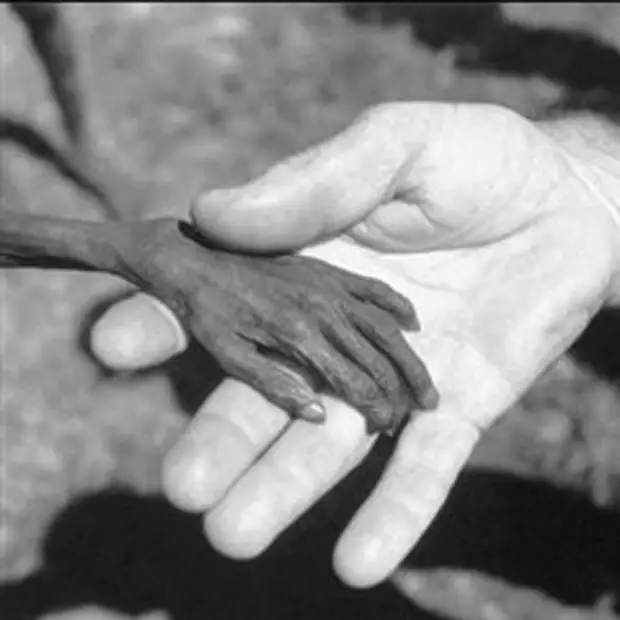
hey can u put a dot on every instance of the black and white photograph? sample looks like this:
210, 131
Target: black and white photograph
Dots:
309, 311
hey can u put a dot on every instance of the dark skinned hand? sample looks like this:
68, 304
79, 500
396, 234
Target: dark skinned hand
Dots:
265, 319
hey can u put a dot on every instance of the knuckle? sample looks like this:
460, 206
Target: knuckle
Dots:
299, 328
307, 301
380, 369
298, 332
279, 383
387, 332
366, 390
280, 386
388, 380
333, 321
288, 379
340, 307
381, 419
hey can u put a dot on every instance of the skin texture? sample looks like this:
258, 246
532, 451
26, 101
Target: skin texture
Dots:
471, 210
255, 314
262, 319
288, 326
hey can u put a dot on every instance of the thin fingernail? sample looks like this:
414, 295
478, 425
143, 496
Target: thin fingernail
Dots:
313, 412
181, 340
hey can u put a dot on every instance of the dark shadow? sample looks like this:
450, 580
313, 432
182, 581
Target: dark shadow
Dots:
135, 553
528, 533
599, 346
435, 25
599, 102
38, 146
485, 40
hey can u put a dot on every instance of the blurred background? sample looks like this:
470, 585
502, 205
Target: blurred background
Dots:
188, 96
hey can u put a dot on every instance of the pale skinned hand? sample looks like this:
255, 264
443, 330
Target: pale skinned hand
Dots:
496, 229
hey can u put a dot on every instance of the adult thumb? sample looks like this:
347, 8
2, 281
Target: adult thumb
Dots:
324, 190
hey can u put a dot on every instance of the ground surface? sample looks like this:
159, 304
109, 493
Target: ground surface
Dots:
188, 96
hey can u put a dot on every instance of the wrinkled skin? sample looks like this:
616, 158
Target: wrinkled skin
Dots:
256, 315
288, 326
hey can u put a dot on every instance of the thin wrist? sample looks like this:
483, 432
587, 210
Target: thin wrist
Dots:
40, 241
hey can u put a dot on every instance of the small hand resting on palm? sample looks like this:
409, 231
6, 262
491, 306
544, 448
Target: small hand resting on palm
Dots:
503, 232
287, 325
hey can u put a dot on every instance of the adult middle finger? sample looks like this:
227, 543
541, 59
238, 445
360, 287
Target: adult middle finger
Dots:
231, 429
305, 462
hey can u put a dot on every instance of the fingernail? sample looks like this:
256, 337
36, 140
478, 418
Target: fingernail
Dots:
429, 399
179, 340
313, 412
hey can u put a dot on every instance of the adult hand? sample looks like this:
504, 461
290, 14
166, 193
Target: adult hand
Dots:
494, 227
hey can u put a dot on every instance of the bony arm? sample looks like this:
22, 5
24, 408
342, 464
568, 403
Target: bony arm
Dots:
57, 243
289, 326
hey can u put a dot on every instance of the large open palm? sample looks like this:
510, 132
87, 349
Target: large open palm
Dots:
490, 226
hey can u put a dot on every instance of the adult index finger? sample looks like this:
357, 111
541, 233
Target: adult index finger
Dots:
137, 332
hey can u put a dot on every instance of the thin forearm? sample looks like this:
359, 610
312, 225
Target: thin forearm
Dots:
58, 243
299, 309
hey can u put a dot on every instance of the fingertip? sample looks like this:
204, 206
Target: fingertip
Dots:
209, 212
259, 217
237, 536
185, 481
429, 400
313, 412
205, 461
135, 333
356, 565
411, 320
376, 542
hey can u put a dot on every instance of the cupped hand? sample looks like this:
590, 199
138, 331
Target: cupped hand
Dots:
491, 225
